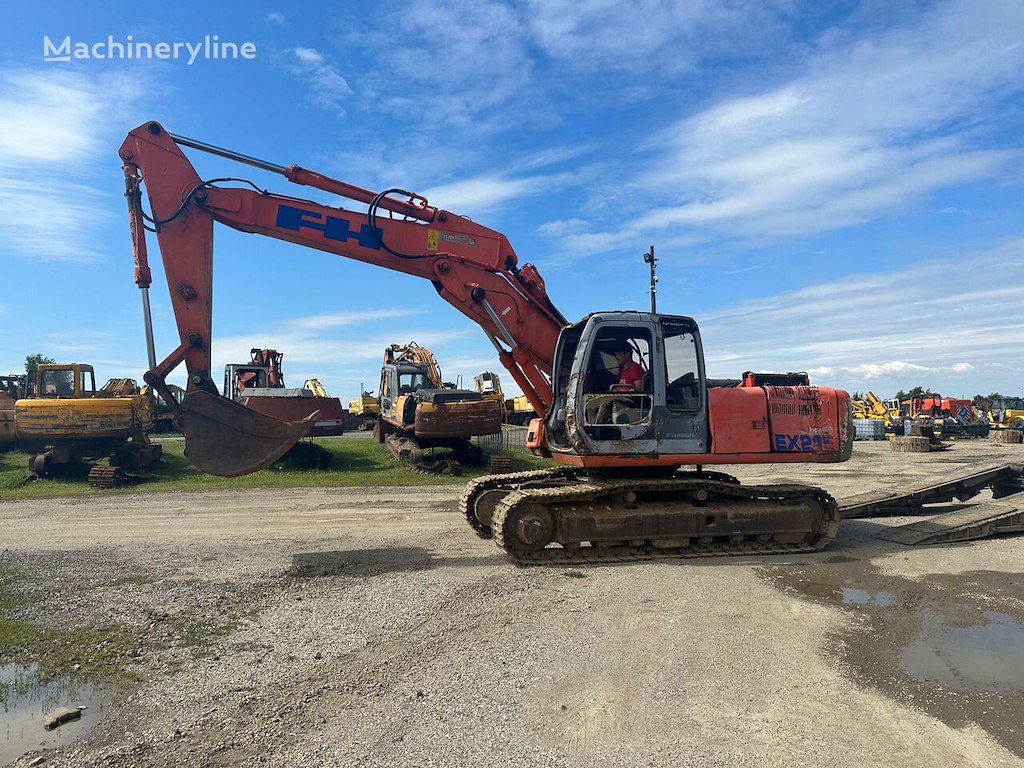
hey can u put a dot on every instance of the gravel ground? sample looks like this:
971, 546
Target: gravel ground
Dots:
370, 627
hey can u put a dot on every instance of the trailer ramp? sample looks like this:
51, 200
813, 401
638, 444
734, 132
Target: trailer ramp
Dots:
1004, 513
976, 521
1002, 479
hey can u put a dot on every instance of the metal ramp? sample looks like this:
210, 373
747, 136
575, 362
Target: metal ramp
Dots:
1003, 479
974, 522
1003, 514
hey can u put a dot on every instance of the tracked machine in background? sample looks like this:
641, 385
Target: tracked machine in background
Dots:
1006, 413
365, 409
633, 478
69, 421
873, 407
11, 388
163, 417
420, 413
259, 385
942, 417
519, 411
488, 384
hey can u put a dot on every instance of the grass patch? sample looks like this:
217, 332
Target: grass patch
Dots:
14, 634
100, 653
354, 463
574, 575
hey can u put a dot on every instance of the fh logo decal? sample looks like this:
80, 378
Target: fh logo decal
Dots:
334, 228
803, 443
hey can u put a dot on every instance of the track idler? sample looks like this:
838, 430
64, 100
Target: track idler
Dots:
225, 438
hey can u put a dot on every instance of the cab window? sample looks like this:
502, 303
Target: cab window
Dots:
617, 384
681, 366
59, 382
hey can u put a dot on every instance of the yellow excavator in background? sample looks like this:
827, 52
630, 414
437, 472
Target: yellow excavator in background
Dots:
519, 411
366, 408
514, 410
11, 388
163, 418
1007, 413
69, 420
488, 384
873, 407
419, 411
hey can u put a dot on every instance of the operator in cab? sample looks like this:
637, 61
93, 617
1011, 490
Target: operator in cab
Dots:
631, 375
630, 372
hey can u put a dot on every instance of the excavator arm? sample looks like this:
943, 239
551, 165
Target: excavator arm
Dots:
414, 353
472, 267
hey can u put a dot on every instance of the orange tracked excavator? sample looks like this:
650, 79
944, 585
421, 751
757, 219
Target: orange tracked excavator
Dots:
633, 446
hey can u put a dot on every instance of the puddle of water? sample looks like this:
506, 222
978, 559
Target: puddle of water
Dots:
928, 643
853, 596
25, 700
844, 595
987, 658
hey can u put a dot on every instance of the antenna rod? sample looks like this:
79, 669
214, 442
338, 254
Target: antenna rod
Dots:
649, 258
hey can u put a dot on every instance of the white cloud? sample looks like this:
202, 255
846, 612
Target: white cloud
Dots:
276, 17
338, 319
876, 371
940, 323
474, 196
873, 124
740, 271
56, 129
328, 88
441, 65
308, 56
815, 373
651, 35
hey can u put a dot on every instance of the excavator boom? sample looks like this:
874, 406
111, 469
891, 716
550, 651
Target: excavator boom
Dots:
472, 267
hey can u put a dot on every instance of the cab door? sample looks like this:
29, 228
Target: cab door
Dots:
388, 388
667, 414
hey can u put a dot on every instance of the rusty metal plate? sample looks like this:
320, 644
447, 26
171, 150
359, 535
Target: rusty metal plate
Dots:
975, 522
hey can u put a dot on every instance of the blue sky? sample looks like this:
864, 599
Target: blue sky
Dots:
833, 187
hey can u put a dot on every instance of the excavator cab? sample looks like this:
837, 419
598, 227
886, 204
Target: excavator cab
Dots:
65, 380
647, 401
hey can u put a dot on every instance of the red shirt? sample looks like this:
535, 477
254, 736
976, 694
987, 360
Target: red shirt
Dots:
631, 372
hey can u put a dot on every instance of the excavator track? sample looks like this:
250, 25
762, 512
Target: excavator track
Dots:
107, 477
506, 482
597, 520
407, 449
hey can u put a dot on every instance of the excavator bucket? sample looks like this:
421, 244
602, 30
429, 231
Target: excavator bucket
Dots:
227, 439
